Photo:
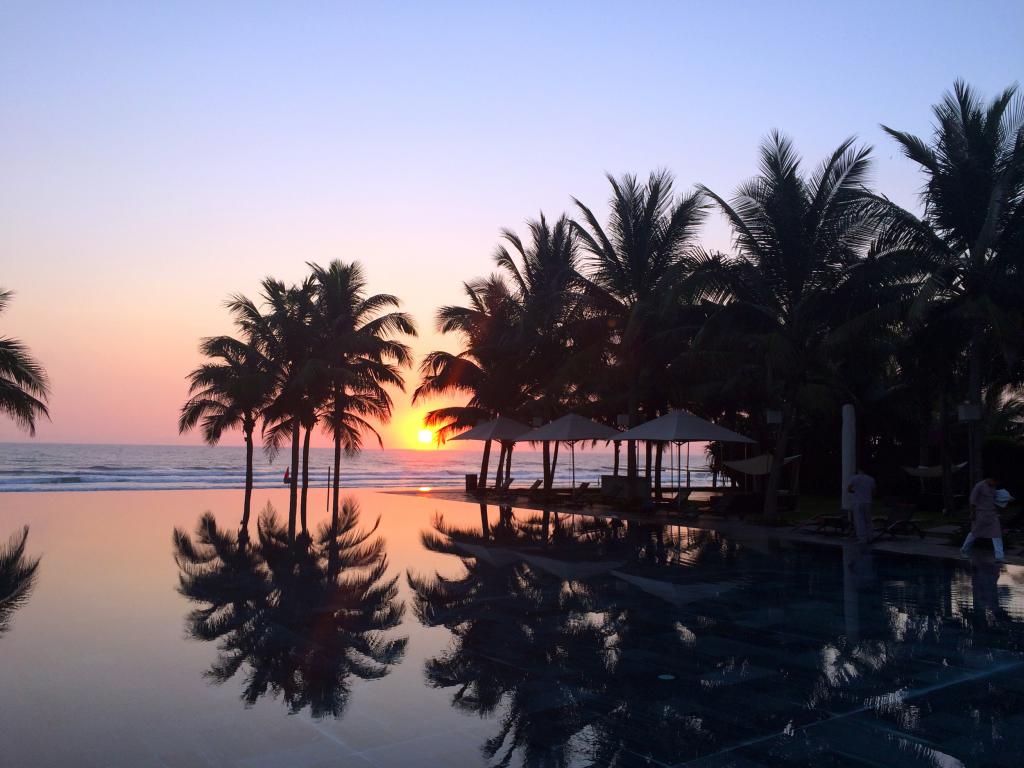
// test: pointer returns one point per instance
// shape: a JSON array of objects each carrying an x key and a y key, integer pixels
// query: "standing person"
[
  {"x": 862, "y": 486},
  {"x": 985, "y": 518}
]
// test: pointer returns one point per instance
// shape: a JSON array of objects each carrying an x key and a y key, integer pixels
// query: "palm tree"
[
  {"x": 286, "y": 339},
  {"x": 359, "y": 356},
  {"x": 798, "y": 243},
  {"x": 637, "y": 266},
  {"x": 17, "y": 577},
  {"x": 24, "y": 386},
  {"x": 972, "y": 227},
  {"x": 545, "y": 284},
  {"x": 485, "y": 369},
  {"x": 227, "y": 394}
]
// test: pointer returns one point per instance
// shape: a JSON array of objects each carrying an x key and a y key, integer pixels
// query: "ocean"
[{"x": 34, "y": 467}]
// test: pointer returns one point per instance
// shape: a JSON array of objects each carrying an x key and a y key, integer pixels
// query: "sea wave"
[{"x": 28, "y": 467}]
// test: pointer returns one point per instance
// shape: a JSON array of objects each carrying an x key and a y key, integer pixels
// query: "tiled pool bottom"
[{"x": 510, "y": 638}]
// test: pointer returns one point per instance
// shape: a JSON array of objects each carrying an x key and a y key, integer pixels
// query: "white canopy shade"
[
  {"x": 682, "y": 427},
  {"x": 508, "y": 430},
  {"x": 570, "y": 429},
  {"x": 757, "y": 465},
  {"x": 929, "y": 472}
]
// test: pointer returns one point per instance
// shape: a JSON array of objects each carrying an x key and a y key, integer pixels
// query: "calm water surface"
[{"x": 455, "y": 635}]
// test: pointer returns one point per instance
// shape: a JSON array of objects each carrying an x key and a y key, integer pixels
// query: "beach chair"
[
  {"x": 505, "y": 488},
  {"x": 826, "y": 523},
  {"x": 531, "y": 492},
  {"x": 577, "y": 499},
  {"x": 899, "y": 520}
]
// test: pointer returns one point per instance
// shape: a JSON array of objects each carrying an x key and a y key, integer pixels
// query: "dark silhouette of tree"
[
  {"x": 228, "y": 393},
  {"x": 637, "y": 266},
  {"x": 972, "y": 229},
  {"x": 359, "y": 356},
  {"x": 799, "y": 242},
  {"x": 486, "y": 369},
  {"x": 286, "y": 338},
  {"x": 24, "y": 386}
]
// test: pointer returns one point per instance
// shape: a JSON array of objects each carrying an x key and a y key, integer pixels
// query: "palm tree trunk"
[
  {"x": 659, "y": 449},
  {"x": 771, "y": 493},
  {"x": 618, "y": 450},
  {"x": 305, "y": 476},
  {"x": 293, "y": 488},
  {"x": 337, "y": 470},
  {"x": 631, "y": 455},
  {"x": 976, "y": 429},
  {"x": 482, "y": 482},
  {"x": 948, "y": 497},
  {"x": 499, "y": 473},
  {"x": 247, "y": 504},
  {"x": 508, "y": 462},
  {"x": 648, "y": 450},
  {"x": 554, "y": 463},
  {"x": 332, "y": 552},
  {"x": 547, "y": 465}
]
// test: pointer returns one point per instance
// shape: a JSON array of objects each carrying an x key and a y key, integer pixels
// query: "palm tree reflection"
[
  {"x": 613, "y": 643},
  {"x": 302, "y": 618},
  {"x": 522, "y": 638},
  {"x": 17, "y": 577}
]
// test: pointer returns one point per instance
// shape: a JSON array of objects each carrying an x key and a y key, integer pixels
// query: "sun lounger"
[
  {"x": 531, "y": 493},
  {"x": 826, "y": 524},
  {"x": 505, "y": 488},
  {"x": 898, "y": 521},
  {"x": 577, "y": 499}
]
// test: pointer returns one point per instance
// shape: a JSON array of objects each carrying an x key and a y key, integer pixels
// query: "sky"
[{"x": 158, "y": 157}]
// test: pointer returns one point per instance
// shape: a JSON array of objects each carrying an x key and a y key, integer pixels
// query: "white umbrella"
[
  {"x": 501, "y": 429},
  {"x": 570, "y": 429},
  {"x": 682, "y": 427}
]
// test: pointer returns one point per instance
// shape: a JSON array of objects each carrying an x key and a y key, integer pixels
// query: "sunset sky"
[{"x": 157, "y": 158}]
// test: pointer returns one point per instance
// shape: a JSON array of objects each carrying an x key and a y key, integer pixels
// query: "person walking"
[
  {"x": 862, "y": 486},
  {"x": 985, "y": 518}
]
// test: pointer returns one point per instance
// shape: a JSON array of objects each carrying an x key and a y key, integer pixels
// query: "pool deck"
[{"x": 934, "y": 544}]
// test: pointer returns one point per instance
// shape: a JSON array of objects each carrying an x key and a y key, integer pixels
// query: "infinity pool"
[{"x": 466, "y": 636}]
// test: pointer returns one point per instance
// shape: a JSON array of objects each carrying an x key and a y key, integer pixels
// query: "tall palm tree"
[
  {"x": 972, "y": 227},
  {"x": 24, "y": 386},
  {"x": 546, "y": 287},
  {"x": 637, "y": 265},
  {"x": 17, "y": 577},
  {"x": 359, "y": 355},
  {"x": 798, "y": 243},
  {"x": 229, "y": 393},
  {"x": 484, "y": 369},
  {"x": 286, "y": 338}
]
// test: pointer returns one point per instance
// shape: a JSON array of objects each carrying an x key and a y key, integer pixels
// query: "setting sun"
[{"x": 425, "y": 436}]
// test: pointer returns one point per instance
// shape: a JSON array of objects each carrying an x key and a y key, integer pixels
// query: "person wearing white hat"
[{"x": 985, "y": 503}]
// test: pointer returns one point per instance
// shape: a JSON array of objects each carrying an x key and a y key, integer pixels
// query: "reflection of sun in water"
[{"x": 425, "y": 436}]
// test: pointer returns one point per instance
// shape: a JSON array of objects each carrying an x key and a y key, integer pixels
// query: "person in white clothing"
[
  {"x": 862, "y": 486},
  {"x": 985, "y": 503}
]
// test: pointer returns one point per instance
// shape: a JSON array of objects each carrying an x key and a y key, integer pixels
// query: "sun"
[{"x": 425, "y": 436}]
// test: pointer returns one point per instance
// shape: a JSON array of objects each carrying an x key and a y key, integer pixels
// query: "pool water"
[{"x": 455, "y": 634}]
